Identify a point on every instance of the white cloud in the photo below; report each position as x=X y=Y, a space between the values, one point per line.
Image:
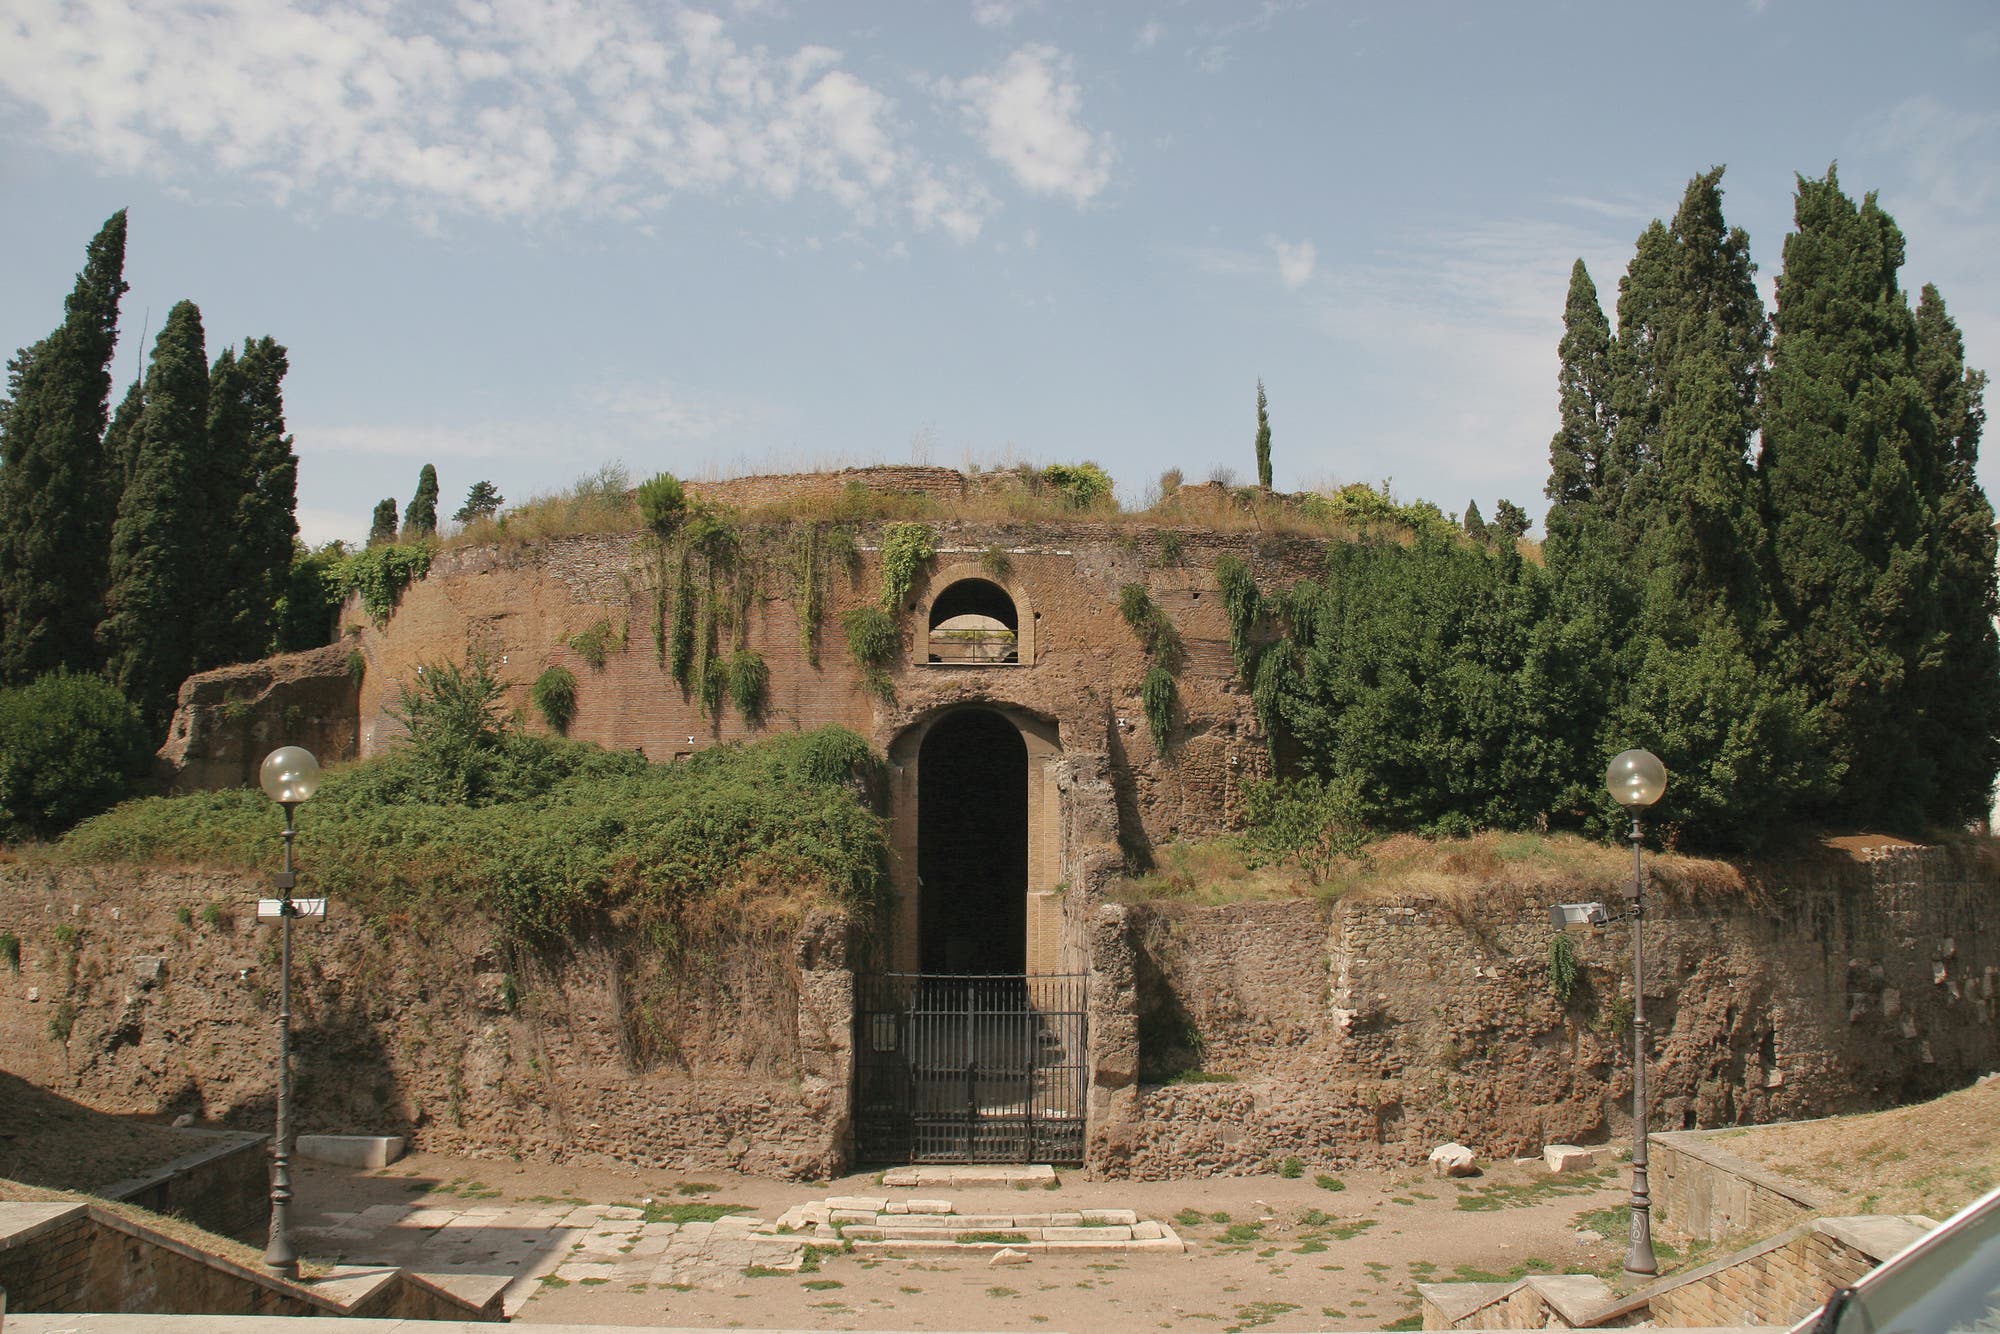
x=510 y=109
x=1149 y=35
x=1027 y=117
x=1295 y=260
x=998 y=13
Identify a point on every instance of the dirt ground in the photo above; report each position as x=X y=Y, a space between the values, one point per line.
x=1264 y=1252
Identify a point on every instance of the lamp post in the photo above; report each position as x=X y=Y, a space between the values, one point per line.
x=289 y=776
x=1636 y=779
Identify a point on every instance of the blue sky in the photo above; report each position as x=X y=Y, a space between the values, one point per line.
x=521 y=240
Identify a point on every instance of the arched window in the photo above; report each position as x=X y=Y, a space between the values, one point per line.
x=973 y=621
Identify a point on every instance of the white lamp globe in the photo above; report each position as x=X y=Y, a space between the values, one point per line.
x=1636 y=778
x=289 y=775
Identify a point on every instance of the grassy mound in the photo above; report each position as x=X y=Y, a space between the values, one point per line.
x=542 y=833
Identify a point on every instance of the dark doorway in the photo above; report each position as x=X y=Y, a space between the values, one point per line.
x=972 y=845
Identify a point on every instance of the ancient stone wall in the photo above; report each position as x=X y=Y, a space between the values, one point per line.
x=1367 y=1032
x=166 y=985
x=229 y=719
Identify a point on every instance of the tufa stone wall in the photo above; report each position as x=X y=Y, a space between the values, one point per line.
x=420 y=1027
x=1367 y=1032
x=229 y=719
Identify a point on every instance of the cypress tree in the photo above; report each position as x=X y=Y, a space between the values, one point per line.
x=382 y=527
x=1263 y=439
x=158 y=545
x=55 y=502
x=254 y=502
x=420 y=520
x=1849 y=442
x=1958 y=682
x=1581 y=449
x=120 y=440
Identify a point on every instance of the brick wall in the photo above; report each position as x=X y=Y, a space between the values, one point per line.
x=1702 y=1191
x=1776 y=1285
x=223 y=1188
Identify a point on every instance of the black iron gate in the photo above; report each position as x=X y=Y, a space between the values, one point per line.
x=969 y=1068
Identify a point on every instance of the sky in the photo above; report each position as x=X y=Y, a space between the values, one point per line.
x=521 y=241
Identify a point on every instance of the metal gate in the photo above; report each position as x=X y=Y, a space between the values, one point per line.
x=954 y=1068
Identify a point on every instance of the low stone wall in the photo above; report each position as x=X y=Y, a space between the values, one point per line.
x=222 y=1188
x=1703 y=1192
x=754 y=492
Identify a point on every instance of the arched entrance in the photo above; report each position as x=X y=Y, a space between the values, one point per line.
x=973 y=1047
x=972 y=845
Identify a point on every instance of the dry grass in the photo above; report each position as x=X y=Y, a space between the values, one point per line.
x=1010 y=492
x=1929 y=1158
x=1489 y=874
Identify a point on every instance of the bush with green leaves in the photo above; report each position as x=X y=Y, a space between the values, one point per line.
x=1082 y=486
x=1303 y=822
x=381 y=573
x=872 y=642
x=554 y=696
x=562 y=834
x=1159 y=697
x=662 y=503
x=70 y=746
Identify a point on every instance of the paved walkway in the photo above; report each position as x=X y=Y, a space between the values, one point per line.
x=526 y=1245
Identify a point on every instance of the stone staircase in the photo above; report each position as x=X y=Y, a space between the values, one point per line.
x=872 y=1222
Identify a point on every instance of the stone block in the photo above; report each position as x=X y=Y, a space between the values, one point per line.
x=350 y=1150
x=927 y=1206
x=1120 y=1217
x=1453 y=1160
x=871 y=1204
x=1568 y=1157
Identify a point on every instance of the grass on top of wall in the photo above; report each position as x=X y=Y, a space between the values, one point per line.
x=554 y=834
x=604 y=501
x=1495 y=870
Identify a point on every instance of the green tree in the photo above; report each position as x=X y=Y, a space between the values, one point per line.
x=252 y=498
x=420 y=519
x=1957 y=688
x=70 y=746
x=1263 y=439
x=156 y=545
x=1579 y=488
x=304 y=615
x=382 y=526
x=483 y=501
x=1850 y=453
x=56 y=496
x=121 y=444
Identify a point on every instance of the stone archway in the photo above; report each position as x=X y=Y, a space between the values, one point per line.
x=977 y=835
x=972 y=845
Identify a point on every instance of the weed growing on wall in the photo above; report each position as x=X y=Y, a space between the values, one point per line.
x=1159 y=697
x=905 y=548
x=749 y=682
x=1564 y=972
x=381 y=573
x=554 y=696
x=594 y=645
x=872 y=642
x=1241 y=600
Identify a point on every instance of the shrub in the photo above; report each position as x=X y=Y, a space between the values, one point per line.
x=554 y=695
x=70 y=746
x=872 y=643
x=905 y=547
x=1304 y=821
x=749 y=680
x=564 y=829
x=1082 y=486
x=455 y=729
x=1151 y=623
x=662 y=503
x=10 y=950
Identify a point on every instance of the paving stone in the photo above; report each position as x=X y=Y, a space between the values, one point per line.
x=873 y=1204
x=1124 y=1216
x=1087 y=1234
